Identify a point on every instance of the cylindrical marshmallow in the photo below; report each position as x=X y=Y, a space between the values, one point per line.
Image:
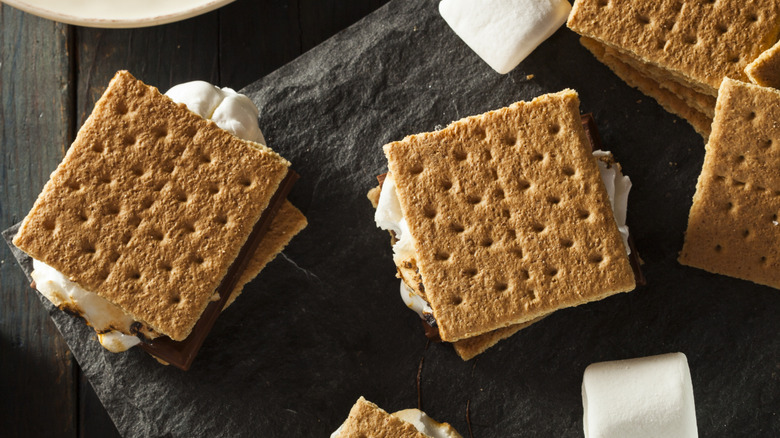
x=647 y=397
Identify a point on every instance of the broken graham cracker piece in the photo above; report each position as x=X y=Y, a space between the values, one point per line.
x=369 y=420
x=700 y=42
x=733 y=226
x=288 y=222
x=509 y=216
x=150 y=206
x=765 y=70
x=668 y=100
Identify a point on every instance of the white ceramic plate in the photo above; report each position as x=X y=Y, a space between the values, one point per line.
x=117 y=13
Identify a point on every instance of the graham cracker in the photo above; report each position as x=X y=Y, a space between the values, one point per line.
x=367 y=420
x=765 y=70
x=509 y=216
x=701 y=42
x=668 y=100
x=288 y=222
x=733 y=226
x=150 y=206
x=469 y=348
x=703 y=103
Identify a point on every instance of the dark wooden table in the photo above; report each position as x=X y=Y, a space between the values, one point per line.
x=51 y=74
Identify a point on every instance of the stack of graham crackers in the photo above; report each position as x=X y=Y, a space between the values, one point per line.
x=678 y=51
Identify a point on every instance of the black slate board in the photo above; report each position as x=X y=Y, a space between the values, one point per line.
x=323 y=324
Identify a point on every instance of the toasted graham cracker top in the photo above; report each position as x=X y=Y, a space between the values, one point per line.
x=509 y=215
x=150 y=206
x=367 y=420
x=733 y=227
x=704 y=41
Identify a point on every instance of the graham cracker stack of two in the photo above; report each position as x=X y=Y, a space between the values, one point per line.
x=510 y=220
x=733 y=226
x=152 y=205
x=678 y=51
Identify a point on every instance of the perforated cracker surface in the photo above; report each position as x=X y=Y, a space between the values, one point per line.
x=733 y=227
x=367 y=420
x=509 y=215
x=700 y=40
x=150 y=206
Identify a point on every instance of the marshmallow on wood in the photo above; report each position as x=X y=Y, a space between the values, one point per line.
x=504 y=32
x=646 y=397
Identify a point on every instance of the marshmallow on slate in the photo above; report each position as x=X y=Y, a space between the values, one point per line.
x=504 y=32
x=639 y=398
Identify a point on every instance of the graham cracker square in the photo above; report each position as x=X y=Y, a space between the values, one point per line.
x=150 y=206
x=698 y=42
x=733 y=226
x=509 y=216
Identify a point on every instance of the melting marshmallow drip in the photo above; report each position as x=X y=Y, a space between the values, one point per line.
x=232 y=112
x=422 y=422
x=390 y=217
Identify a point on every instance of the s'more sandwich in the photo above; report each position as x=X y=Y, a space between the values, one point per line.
x=157 y=217
x=733 y=225
x=367 y=420
x=502 y=218
x=678 y=51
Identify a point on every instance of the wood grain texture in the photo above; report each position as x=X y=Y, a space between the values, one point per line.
x=37 y=369
x=51 y=75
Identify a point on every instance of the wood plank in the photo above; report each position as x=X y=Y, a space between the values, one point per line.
x=38 y=383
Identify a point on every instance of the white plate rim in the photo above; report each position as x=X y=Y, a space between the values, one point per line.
x=34 y=7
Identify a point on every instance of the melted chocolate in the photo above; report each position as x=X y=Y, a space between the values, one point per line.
x=181 y=354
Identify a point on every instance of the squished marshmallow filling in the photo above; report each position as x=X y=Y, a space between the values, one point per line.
x=390 y=217
x=422 y=422
x=232 y=112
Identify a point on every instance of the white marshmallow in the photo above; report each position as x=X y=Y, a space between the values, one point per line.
x=504 y=32
x=231 y=111
x=647 y=397
x=426 y=425
x=618 y=186
x=101 y=314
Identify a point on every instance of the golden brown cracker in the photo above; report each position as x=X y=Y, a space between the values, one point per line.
x=288 y=222
x=469 y=348
x=699 y=41
x=765 y=70
x=668 y=100
x=150 y=206
x=509 y=215
x=733 y=224
x=367 y=420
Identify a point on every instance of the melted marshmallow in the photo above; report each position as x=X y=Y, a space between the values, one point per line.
x=231 y=111
x=111 y=323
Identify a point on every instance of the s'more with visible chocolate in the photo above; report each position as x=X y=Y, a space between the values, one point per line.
x=678 y=51
x=502 y=218
x=733 y=225
x=154 y=220
x=367 y=420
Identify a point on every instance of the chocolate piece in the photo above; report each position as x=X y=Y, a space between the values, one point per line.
x=589 y=123
x=181 y=354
